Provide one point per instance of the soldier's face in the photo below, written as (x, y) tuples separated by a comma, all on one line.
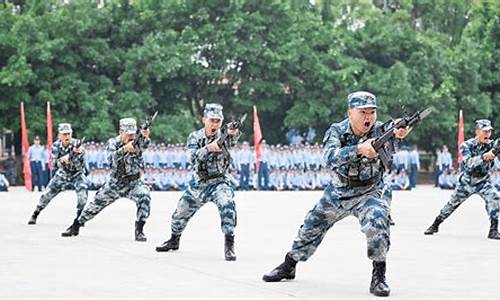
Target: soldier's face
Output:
[(65, 138), (211, 125), (483, 135), (362, 119), (127, 137)]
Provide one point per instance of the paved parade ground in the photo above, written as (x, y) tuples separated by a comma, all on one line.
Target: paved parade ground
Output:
[(105, 261)]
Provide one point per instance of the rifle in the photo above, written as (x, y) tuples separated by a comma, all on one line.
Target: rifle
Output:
[(224, 132), (72, 154), (495, 147), (138, 136), (405, 121)]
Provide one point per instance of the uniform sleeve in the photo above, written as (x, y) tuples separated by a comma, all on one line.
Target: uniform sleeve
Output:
[(195, 153), (114, 153), (470, 162), (54, 154), (335, 155)]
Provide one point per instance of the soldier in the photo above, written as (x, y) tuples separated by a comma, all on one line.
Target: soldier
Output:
[(69, 165), (209, 183), (125, 179), (478, 161), (355, 189)]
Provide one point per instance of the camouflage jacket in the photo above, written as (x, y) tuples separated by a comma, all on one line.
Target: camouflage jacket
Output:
[(340, 155), (76, 164), (473, 168), (208, 165), (125, 166)]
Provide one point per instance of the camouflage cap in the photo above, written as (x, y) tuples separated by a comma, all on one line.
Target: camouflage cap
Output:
[(128, 125), (64, 128), (213, 110), (362, 99), (484, 124)]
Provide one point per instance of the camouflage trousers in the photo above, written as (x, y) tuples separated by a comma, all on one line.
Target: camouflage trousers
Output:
[(58, 184), (371, 210), (197, 194), (135, 190), (464, 191)]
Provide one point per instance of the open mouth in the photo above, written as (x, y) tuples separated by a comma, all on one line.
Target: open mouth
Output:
[(367, 125), (214, 130)]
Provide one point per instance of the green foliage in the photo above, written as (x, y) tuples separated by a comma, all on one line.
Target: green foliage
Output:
[(99, 61)]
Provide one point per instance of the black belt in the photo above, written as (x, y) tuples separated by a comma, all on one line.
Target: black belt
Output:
[(358, 183)]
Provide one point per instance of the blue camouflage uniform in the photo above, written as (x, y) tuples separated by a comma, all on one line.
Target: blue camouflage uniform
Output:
[(209, 182), (125, 178), (72, 174), (474, 178), (355, 189)]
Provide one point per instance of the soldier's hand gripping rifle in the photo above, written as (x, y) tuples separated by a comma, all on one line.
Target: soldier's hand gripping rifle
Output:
[(72, 153), (406, 121), (146, 125), (495, 148), (223, 141), (138, 136)]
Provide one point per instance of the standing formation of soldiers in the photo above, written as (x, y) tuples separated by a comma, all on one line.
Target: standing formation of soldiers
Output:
[(356, 186)]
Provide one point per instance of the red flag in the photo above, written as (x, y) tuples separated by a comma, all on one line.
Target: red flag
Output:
[(460, 136), (49, 133), (257, 138), (26, 146)]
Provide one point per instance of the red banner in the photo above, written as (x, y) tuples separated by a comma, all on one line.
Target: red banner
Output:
[(257, 138), (49, 133), (460, 136), (25, 146)]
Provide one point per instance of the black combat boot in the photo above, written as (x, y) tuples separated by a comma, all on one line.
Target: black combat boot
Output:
[(73, 230), (284, 271), (435, 226), (32, 220), (171, 244), (229, 248), (78, 213), (378, 287), (139, 235), (493, 234)]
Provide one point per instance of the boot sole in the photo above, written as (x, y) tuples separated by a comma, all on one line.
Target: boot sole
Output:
[(230, 258), (268, 279), (166, 250)]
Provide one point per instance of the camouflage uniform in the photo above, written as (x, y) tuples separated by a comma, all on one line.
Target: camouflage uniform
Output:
[(209, 183), (65, 176), (355, 189), (474, 178), (124, 181)]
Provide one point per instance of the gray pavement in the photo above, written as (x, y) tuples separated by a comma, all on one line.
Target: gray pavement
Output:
[(104, 260)]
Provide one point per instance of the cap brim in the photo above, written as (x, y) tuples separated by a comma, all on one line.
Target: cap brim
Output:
[(65, 131), (214, 116), (487, 128), (130, 131), (366, 106)]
